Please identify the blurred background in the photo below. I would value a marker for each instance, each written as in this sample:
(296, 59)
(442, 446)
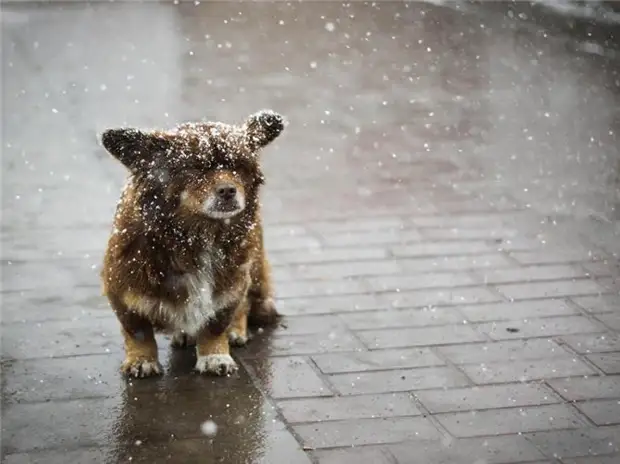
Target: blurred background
(372, 91)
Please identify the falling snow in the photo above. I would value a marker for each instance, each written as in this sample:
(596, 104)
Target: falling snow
(208, 428)
(445, 204)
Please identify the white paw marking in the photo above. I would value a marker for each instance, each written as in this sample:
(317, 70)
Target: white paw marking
(219, 364)
(143, 368)
(235, 339)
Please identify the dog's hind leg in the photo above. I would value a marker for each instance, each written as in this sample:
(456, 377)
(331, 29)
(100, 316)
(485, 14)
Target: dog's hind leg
(262, 308)
(238, 330)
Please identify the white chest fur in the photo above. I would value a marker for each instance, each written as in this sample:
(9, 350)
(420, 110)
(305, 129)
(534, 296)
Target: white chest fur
(200, 307)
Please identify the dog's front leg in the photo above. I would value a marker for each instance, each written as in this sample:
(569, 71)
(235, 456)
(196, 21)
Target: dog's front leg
(140, 345)
(212, 347)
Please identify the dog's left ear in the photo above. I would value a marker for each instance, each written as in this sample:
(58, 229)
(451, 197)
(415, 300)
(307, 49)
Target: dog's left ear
(262, 128)
(134, 148)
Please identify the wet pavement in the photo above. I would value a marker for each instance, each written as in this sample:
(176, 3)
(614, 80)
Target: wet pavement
(442, 214)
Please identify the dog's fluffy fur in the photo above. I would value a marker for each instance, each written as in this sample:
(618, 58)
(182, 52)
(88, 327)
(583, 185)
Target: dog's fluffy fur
(186, 254)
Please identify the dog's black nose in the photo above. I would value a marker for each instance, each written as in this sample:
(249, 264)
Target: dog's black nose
(226, 191)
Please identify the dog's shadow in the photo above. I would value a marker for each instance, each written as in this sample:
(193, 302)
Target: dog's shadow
(186, 417)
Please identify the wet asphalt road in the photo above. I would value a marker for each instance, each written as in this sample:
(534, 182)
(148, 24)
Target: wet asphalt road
(396, 111)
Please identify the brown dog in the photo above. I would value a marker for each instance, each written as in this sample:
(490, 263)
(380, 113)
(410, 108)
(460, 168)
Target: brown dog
(186, 255)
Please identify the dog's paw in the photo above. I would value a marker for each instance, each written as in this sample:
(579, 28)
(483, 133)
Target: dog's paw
(182, 340)
(141, 367)
(263, 313)
(218, 364)
(236, 339)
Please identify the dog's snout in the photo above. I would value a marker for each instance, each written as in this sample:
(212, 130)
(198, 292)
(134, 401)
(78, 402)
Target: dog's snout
(226, 191)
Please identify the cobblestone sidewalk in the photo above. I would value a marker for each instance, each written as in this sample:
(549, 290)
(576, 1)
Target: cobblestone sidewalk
(441, 217)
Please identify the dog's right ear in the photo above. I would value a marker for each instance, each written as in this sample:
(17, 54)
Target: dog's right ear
(134, 148)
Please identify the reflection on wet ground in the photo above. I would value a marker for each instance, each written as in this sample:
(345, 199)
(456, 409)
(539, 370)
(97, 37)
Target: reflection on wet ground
(441, 214)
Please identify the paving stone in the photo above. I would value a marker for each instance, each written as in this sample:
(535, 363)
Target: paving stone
(365, 432)
(471, 221)
(486, 397)
(281, 275)
(507, 350)
(362, 361)
(602, 412)
(454, 263)
(611, 459)
(593, 343)
(288, 377)
(488, 450)
(332, 341)
(398, 380)
(402, 318)
(60, 273)
(601, 268)
(61, 378)
(588, 441)
(422, 336)
(366, 454)
(424, 298)
(276, 447)
(49, 248)
(511, 421)
(275, 232)
(456, 233)
(539, 327)
(390, 237)
(304, 325)
(348, 407)
(607, 362)
(599, 303)
(441, 249)
(529, 274)
(611, 320)
(517, 310)
(87, 455)
(43, 425)
(434, 280)
(346, 270)
(521, 243)
(526, 370)
(357, 225)
(282, 242)
(552, 257)
(610, 284)
(587, 388)
(61, 338)
(554, 289)
(149, 410)
(44, 304)
(326, 255)
(308, 288)
(330, 305)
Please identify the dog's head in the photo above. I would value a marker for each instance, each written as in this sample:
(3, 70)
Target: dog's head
(208, 169)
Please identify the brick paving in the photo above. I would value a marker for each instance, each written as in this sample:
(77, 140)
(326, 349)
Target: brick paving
(445, 304)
